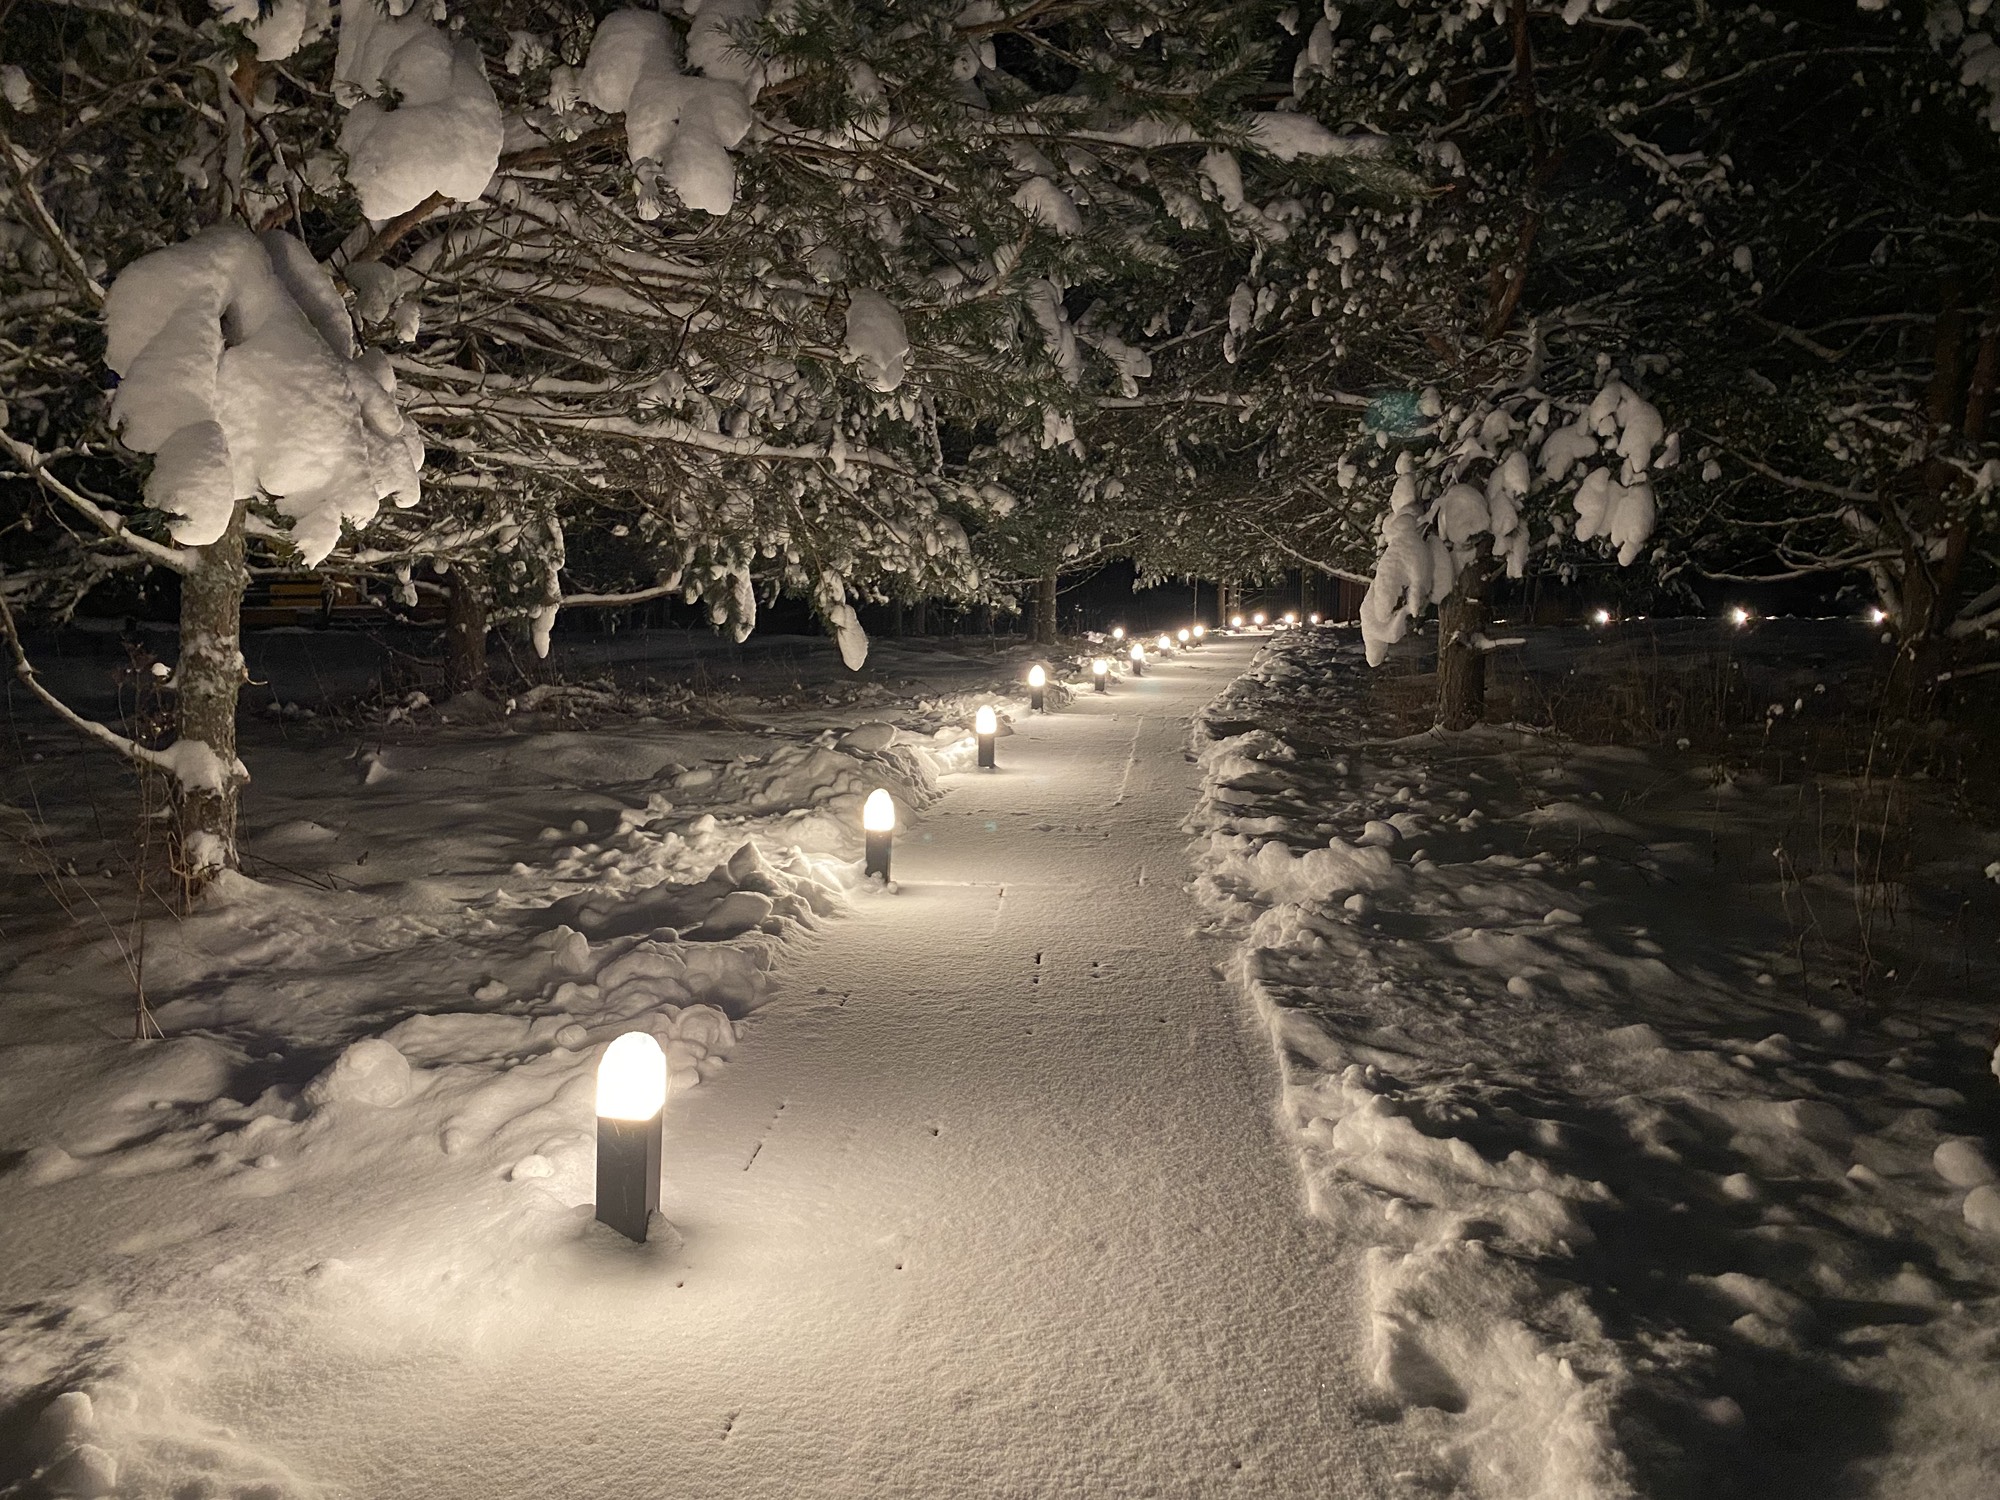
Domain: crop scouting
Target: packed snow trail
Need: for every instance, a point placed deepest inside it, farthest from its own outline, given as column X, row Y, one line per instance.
column 991, row 1201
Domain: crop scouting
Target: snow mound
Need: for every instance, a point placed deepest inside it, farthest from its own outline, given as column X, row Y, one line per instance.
column 371, row 1071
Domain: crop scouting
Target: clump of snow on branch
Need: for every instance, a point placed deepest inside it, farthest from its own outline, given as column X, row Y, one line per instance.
column 1492, row 455
column 1407, row 582
column 1045, row 306
column 278, row 30
column 444, row 133
column 1132, row 364
column 876, row 339
column 240, row 376
column 679, row 129
column 1622, row 509
column 831, row 597
column 1049, row 206
column 712, row 48
column 1289, row 137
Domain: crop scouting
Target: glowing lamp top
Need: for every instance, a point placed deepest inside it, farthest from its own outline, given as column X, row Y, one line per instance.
column 878, row 813
column 1256, row 619
column 1138, row 652
column 1738, row 615
column 1037, row 677
column 632, row 1078
column 1117, row 632
column 1200, row 631
column 1099, row 667
column 985, row 721
column 1164, row 642
column 1186, row 636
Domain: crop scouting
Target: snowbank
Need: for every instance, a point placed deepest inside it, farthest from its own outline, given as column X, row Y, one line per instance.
column 1618, row 1244
column 375, row 1112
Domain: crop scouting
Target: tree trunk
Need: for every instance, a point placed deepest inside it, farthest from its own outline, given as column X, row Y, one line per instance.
column 1930, row 582
column 465, row 632
column 206, row 786
column 1045, row 610
column 1461, row 674
column 920, row 617
column 981, row 619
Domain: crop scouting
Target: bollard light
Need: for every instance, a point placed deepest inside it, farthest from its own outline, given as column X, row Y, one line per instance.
column 1038, row 688
column 1236, row 622
column 1138, row 660
column 1165, row 643
column 631, row 1099
column 1199, row 632
column 1878, row 615
column 1257, row 620
column 1600, row 616
column 1185, row 636
column 1117, row 632
column 986, row 725
column 1291, row 617
column 878, row 827
column 1738, row 616
column 1100, row 675
column 1312, row 619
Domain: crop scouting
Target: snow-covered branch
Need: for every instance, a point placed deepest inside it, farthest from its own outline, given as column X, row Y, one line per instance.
column 35, row 464
column 131, row 749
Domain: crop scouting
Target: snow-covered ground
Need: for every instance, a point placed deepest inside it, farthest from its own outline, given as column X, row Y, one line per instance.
column 990, row 1183
column 1658, row 1208
column 975, row 1184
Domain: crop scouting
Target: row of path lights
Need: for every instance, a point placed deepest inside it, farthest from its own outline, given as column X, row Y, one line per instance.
column 632, row 1074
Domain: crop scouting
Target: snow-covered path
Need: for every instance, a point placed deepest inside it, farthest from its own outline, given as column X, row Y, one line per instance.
column 990, row 1201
